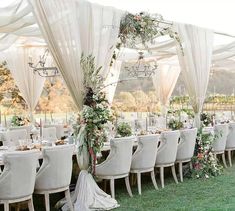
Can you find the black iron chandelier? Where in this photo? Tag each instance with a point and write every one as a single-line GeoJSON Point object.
{"type": "Point", "coordinates": [142, 68]}
{"type": "Point", "coordinates": [40, 67]}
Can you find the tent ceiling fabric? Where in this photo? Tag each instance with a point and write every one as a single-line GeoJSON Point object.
{"type": "Point", "coordinates": [17, 21]}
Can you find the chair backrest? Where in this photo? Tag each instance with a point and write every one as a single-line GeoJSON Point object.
{"type": "Point", "coordinates": [187, 144]}
{"type": "Point", "coordinates": [230, 143]}
{"type": "Point", "coordinates": [146, 152]}
{"type": "Point", "coordinates": [59, 130]}
{"type": "Point", "coordinates": [49, 134]}
{"type": "Point", "coordinates": [12, 137]}
{"type": "Point", "coordinates": [121, 154]}
{"type": "Point", "coordinates": [18, 177]}
{"type": "Point", "coordinates": [168, 148]}
{"type": "Point", "coordinates": [221, 133]}
{"type": "Point", "coordinates": [56, 169]}
{"type": "Point", "coordinates": [28, 128]}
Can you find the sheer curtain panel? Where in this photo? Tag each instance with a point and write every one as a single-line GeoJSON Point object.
{"type": "Point", "coordinates": [29, 83]}
{"type": "Point", "coordinates": [164, 82]}
{"type": "Point", "coordinates": [195, 63]}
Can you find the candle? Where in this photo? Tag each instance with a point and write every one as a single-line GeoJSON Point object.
{"type": "Point", "coordinates": [45, 120]}
{"type": "Point", "coordinates": [40, 128]}
{"type": "Point", "coordinates": [146, 123]}
{"type": "Point", "coordinates": [5, 119]}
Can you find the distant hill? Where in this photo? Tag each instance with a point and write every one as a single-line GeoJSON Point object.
{"type": "Point", "coordinates": [222, 82]}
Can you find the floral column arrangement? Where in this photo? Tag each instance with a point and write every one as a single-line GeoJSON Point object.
{"type": "Point", "coordinates": [90, 129]}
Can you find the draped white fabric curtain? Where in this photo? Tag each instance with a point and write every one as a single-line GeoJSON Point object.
{"type": "Point", "coordinates": [77, 27]}
{"type": "Point", "coordinates": [70, 28]}
{"type": "Point", "coordinates": [112, 80]}
{"type": "Point", "coordinates": [195, 63]}
{"type": "Point", "coordinates": [29, 83]}
{"type": "Point", "coordinates": [164, 81]}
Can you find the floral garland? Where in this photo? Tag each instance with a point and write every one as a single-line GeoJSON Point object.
{"type": "Point", "coordinates": [90, 129]}
{"type": "Point", "coordinates": [142, 28]}
{"type": "Point", "coordinates": [204, 162]}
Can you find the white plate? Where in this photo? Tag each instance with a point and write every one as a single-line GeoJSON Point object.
{"type": "Point", "coordinates": [3, 147]}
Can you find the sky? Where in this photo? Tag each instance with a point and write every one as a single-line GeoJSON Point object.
{"type": "Point", "coordinates": [218, 15]}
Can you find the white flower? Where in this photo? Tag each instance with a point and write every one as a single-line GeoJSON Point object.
{"type": "Point", "coordinates": [206, 176]}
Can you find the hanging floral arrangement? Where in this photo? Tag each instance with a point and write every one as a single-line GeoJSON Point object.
{"type": "Point", "coordinates": [143, 28]}
{"type": "Point", "coordinates": [90, 129]}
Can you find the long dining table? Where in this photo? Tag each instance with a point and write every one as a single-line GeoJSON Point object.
{"type": "Point", "coordinates": [5, 149]}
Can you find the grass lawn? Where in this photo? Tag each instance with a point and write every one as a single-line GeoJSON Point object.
{"type": "Point", "coordinates": [193, 194]}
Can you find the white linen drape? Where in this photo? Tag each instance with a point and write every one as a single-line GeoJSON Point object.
{"type": "Point", "coordinates": [195, 63]}
{"type": "Point", "coordinates": [70, 28]}
{"type": "Point", "coordinates": [29, 83]}
{"type": "Point", "coordinates": [112, 80]}
{"type": "Point", "coordinates": [77, 27]}
{"type": "Point", "coordinates": [164, 82]}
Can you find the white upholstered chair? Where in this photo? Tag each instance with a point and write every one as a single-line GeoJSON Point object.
{"type": "Point", "coordinates": [18, 178]}
{"type": "Point", "coordinates": [49, 134]}
{"type": "Point", "coordinates": [185, 148]}
{"type": "Point", "coordinates": [230, 143]}
{"type": "Point", "coordinates": [166, 154]}
{"type": "Point", "coordinates": [143, 160]}
{"type": "Point", "coordinates": [55, 173]}
{"type": "Point", "coordinates": [59, 130]}
{"type": "Point", "coordinates": [28, 128]}
{"type": "Point", "coordinates": [218, 146]}
{"type": "Point", "coordinates": [118, 163]}
{"type": "Point", "coordinates": [12, 137]}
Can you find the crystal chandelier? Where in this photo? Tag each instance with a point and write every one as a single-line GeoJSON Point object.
{"type": "Point", "coordinates": [40, 67]}
{"type": "Point", "coordinates": [142, 68]}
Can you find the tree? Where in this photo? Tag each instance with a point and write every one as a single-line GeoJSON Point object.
{"type": "Point", "coordinates": [10, 97]}
{"type": "Point", "coordinates": [124, 101]}
{"type": "Point", "coordinates": [55, 98]}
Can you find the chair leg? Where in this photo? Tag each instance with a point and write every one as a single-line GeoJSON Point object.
{"type": "Point", "coordinates": [154, 179]}
{"type": "Point", "coordinates": [112, 188]}
{"type": "Point", "coordinates": [18, 207]}
{"type": "Point", "coordinates": [181, 171]}
{"type": "Point", "coordinates": [162, 176]}
{"type": "Point", "coordinates": [224, 161]}
{"type": "Point", "coordinates": [47, 201]}
{"type": "Point", "coordinates": [30, 204]}
{"type": "Point", "coordinates": [6, 206]}
{"type": "Point", "coordinates": [139, 182]}
{"type": "Point", "coordinates": [68, 199]}
{"type": "Point", "coordinates": [174, 174]}
{"type": "Point", "coordinates": [128, 187]}
{"type": "Point", "coordinates": [229, 158]}
{"type": "Point", "coordinates": [191, 165]}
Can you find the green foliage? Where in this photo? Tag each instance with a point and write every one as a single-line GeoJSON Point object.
{"type": "Point", "coordinates": [175, 124]}
{"type": "Point", "coordinates": [92, 77]}
{"type": "Point", "coordinates": [123, 130]}
{"type": "Point", "coordinates": [206, 119]}
{"type": "Point", "coordinates": [19, 121]}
